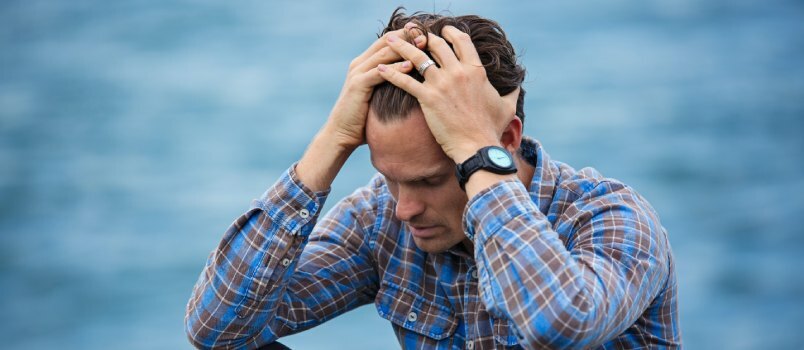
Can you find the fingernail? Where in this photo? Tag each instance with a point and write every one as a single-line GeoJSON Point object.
{"type": "Point", "coordinates": [409, 25]}
{"type": "Point", "coordinates": [405, 64]}
{"type": "Point", "coordinates": [391, 38]}
{"type": "Point", "coordinates": [419, 39]}
{"type": "Point", "coordinates": [382, 68]}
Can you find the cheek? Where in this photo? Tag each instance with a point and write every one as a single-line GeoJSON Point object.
{"type": "Point", "coordinates": [451, 200]}
{"type": "Point", "coordinates": [393, 187]}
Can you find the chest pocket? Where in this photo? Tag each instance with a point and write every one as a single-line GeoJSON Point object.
{"type": "Point", "coordinates": [414, 313]}
{"type": "Point", "coordinates": [504, 333]}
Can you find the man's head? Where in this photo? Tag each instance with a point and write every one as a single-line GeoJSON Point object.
{"type": "Point", "coordinates": [496, 52]}
{"type": "Point", "coordinates": [420, 176]}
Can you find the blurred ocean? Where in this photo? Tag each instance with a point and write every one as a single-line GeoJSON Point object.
{"type": "Point", "coordinates": [132, 133]}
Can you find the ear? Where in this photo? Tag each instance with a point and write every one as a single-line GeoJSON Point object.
{"type": "Point", "coordinates": [512, 135]}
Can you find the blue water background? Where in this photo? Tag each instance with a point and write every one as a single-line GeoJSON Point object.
{"type": "Point", "coordinates": [132, 133]}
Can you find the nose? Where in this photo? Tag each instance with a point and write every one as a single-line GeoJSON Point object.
{"type": "Point", "coordinates": [408, 204]}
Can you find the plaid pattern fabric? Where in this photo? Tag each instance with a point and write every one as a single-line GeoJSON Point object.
{"type": "Point", "coordinates": [574, 261]}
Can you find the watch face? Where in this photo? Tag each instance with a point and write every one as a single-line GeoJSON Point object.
{"type": "Point", "coordinates": [500, 157]}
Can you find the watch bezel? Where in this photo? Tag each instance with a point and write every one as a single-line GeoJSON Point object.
{"type": "Point", "coordinates": [487, 157]}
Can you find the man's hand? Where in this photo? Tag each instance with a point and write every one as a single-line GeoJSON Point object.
{"type": "Point", "coordinates": [345, 128]}
{"type": "Point", "coordinates": [462, 108]}
{"type": "Point", "coordinates": [348, 117]}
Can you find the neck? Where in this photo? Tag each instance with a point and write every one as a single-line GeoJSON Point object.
{"type": "Point", "coordinates": [524, 170]}
{"type": "Point", "coordinates": [469, 246]}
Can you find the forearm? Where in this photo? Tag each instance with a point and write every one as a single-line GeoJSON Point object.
{"type": "Point", "coordinates": [247, 279]}
{"type": "Point", "coordinates": [233, 301]}
{"type": "Point", "coordinates": [564, 297]}
{"type": "Point", "coordinates": [323, 159]}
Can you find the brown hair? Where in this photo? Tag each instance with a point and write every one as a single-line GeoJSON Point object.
{"type": "Point", "coordinates": [496, 53]}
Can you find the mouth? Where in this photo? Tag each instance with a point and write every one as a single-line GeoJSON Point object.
{"type": "Point", "coordinates": [423, 231]}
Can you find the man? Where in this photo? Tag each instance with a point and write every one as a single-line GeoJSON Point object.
{"type": "Point", "coordinates": [469, 237]}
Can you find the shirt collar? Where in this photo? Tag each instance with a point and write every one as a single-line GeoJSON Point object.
{"type": "Point", "coordinates": [545, 176]}
{"type": "Point", "coordinates": [460, 251]}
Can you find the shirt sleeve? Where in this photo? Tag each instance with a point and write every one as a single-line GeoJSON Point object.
{"type": "Point", "coordinates": [268, 275]}
{"type": "Point", "coordinates": [574, 290]}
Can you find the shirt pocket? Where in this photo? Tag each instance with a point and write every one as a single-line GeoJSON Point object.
{"type": "Point", "coordinates": [504, 333]}
{"type": "Point", "coordinates": [413, 312]}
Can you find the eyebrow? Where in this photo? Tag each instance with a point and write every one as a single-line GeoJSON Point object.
{"type": "Point", "coordinates": [416, 178]}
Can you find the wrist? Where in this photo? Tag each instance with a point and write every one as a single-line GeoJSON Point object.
{"type": "Point", "coordinates": [323, 160]}
{"type": "Point", "coordinates": [493, 160]}
{"type": "Point", "coordinates": [338, 139]}
{"type": "Point", "coordinates": [468, 149]}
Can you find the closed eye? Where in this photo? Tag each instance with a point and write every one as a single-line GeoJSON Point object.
{"type": "Point", "coordinates": [434, 180]}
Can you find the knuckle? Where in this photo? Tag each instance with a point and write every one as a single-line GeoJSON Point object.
{"type": "Point", "coordinates": [463, 36]}
{"type": "Point", "coordinates": [383, 53]}
{"type": "Point", "coordinates": [414, 32]}
{"type": "Point", "coordinates": [437, 40]}
{"type": "Point", "coordinates": [385, 37]}
{"type": "Point", "coordinates": [354, 63]}
{"type": "Point", "coordinates": [388, 53]}
{"type": "Point", "coordinates": [461, 78]}
{"type": "Point", "coordinates": [357, 79]}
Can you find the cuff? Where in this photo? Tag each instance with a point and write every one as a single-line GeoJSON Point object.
{"type": "Point", "coordinates": [494, 207]}
{"type": "Point", "coordinates": [290, 203]}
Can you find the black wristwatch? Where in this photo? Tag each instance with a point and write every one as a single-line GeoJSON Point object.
{"type": "Point", "coordinates": [492, 158]}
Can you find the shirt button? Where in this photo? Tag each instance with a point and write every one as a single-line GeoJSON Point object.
{"type": "Point", "coordinates": [470, 345]}
{"type": "Point", "coordinates": [474, 273]}
{"type": "Point", "coordinates": [285, 262]}
{"type": "Point", "coordinates": [304, 213]}
{"type": "Point", "coordinates": [412, 317]}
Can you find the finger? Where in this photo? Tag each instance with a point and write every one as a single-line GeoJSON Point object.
{"type": "Point", "coordinates": [402, 81]}
{"type": "Point", "coordinates": [385, 55]}
{"type": "Point", "coordinates": [413, 31]}
{"type": "Point", "coordinates": [375, 46]}
{"type": "Point", "coordinates": [409, 52]}
{"type": "Point", "coordinates": [441, 51]}
{"type": "Point", "coordinates": [462, 44]}
{"type": "Point", "coordinates": [420, 42]}
{"type": "Point", "coordinates": [373, 77]}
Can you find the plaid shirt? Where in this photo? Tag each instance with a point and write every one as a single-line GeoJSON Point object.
{"type": "Point", "coordinates": [576, 260]}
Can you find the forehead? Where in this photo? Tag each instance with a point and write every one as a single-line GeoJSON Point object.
{"type": "Point", "coordinates": [405, 149]}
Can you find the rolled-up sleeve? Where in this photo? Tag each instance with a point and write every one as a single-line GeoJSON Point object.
{"type": "Point", "coordinates": [232, 300]}
{"type": "Point", "coordinates": [577, 280]}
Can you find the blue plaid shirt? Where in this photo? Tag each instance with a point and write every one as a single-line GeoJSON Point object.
{"type": "Point", "coordinates": [575, 260]}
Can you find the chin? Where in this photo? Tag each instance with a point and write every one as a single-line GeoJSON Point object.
{"type": "Point", "coordinates": [432, 249]}
{"type": "Point", "coordinates": [433, 245]}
